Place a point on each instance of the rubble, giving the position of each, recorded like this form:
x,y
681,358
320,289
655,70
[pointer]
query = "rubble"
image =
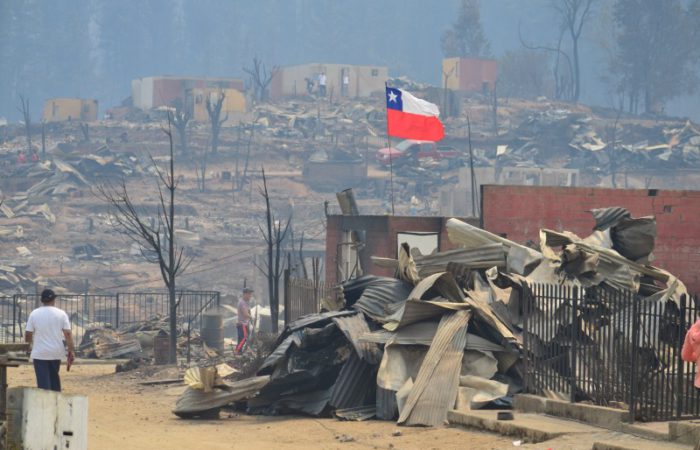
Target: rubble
x,y
447,332
136,341
559,137
103,343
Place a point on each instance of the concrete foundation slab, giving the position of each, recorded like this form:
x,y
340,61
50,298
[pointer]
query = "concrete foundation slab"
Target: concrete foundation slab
x,y
529,427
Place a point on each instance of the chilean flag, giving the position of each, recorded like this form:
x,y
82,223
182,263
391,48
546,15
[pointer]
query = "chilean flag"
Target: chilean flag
x,y
409,117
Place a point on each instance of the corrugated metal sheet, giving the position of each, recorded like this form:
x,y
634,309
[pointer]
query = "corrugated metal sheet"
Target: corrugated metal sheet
x,y
422,333
377,297
435,388
315,319
312,403
281,351
635,238
609,217
360,413
195,401
470,236
417,310
442,284
353,327
350,388
482,257
386,404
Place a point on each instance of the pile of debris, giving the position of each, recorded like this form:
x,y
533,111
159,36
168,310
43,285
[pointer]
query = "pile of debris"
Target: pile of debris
x,y
562,138
67,172
19,279
304,119
447,331
137,341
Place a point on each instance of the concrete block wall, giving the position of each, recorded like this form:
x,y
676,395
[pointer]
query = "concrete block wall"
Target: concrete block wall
x,y
520,211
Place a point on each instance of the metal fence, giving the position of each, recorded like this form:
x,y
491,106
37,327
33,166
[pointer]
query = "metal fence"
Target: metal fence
x,y
106,311
611,348
302,296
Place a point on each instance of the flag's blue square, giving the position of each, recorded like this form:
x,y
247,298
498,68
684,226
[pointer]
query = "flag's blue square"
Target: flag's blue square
x,y
393,99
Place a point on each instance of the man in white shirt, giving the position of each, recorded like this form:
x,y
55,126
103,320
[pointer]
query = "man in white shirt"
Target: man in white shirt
x,y
322,84
47,327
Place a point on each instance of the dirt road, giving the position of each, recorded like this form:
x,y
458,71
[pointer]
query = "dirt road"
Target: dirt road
x,y
125,415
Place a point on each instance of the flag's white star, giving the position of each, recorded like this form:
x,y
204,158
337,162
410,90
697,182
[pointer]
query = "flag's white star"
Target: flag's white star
x,y
392,96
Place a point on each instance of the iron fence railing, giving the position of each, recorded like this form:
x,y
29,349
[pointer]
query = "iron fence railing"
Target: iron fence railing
x,y
105,310
612,348
303,296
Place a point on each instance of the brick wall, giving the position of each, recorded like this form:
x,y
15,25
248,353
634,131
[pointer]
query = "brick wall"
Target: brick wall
x,y
520,211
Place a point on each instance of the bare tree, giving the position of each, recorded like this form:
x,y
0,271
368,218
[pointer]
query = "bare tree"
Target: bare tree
x,y
214,112
181,118
612,153
240,181
214,107
274,234
156,239
524,73
260,78
27,117
563,86
573,15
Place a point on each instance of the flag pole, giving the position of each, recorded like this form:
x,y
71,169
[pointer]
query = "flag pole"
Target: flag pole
x,y
391,159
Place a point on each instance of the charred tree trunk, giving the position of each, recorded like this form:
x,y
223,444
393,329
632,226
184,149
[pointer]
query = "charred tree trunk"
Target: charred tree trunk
x,y
181,119
260,78
274,234
214,112
156,237
27,117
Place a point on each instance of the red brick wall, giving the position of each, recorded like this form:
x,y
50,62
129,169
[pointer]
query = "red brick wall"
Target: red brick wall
x,y
520,212
473,72
380,238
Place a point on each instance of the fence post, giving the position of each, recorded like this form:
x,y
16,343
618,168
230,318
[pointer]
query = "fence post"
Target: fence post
x,y
286,297
117,314
15,322
679,361
527,297
86,301
635,345
574,338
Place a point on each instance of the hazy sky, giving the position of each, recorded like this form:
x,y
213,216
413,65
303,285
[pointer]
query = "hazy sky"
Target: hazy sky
x,y
93,48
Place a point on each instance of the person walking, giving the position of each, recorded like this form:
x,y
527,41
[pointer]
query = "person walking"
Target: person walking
x,y
322,84
47,328
243,321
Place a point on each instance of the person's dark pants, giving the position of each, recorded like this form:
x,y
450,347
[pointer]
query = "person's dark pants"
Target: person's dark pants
x,y
242,336
47,374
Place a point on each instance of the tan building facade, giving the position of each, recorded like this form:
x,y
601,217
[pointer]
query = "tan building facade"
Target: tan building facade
x,y
362,81
66,109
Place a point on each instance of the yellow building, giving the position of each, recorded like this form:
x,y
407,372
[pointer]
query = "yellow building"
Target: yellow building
x,y
234,102
64,109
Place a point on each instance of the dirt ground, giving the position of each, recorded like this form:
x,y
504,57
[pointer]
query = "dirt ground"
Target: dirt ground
x,y
125,414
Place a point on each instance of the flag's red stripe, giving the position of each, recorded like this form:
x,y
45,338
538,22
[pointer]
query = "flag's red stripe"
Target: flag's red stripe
x,y
413,126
